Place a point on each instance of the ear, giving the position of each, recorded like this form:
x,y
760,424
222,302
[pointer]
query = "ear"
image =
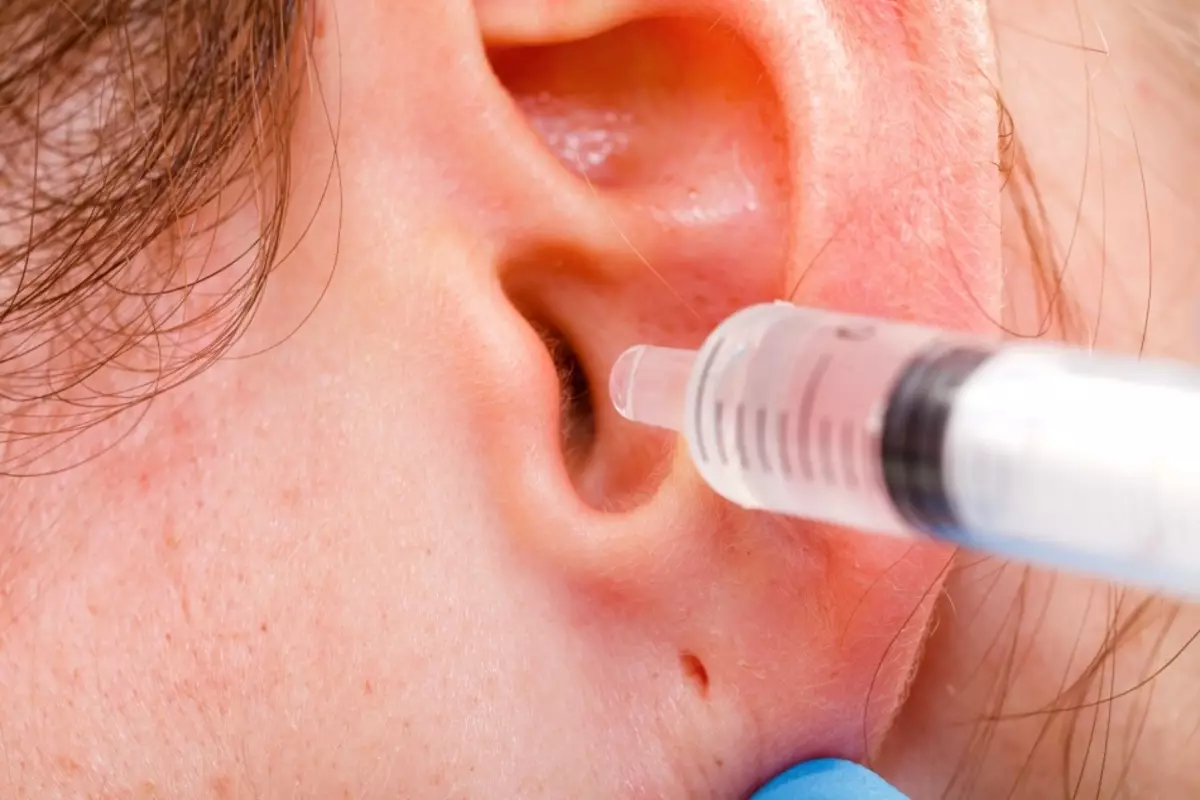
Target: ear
x,y
665,164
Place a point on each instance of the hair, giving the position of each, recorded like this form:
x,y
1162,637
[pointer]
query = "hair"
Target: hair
x,y
131,129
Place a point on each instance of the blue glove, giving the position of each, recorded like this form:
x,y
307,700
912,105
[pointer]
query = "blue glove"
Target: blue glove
x,y
828,779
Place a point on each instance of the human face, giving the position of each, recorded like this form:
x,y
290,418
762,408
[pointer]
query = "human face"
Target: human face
x,y
375,555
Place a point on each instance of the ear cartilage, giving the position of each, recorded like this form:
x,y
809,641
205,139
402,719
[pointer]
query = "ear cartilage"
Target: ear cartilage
x,y
1033,451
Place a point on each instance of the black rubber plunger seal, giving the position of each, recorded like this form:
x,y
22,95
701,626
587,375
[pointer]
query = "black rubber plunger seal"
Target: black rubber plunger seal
x,y
914,436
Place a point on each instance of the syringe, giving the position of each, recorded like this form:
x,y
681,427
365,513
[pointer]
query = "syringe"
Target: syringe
x,y
1033,451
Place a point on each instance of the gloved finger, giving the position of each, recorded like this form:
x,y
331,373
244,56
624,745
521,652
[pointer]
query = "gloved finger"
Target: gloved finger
x,y
828,779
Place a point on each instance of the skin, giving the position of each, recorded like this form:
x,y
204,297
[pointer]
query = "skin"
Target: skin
x,y
368,559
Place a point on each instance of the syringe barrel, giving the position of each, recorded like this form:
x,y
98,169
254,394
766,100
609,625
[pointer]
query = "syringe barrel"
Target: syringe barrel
x,y
785,409
1085,462
1032,450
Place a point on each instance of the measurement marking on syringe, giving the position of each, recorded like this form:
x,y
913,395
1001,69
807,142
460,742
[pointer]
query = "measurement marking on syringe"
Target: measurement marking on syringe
x,y
761,425
872,448
701,385
849,461
719,424
825,449
785,463
804,426
740,435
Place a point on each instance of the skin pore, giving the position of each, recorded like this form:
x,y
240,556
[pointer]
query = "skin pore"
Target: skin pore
x,y
374,552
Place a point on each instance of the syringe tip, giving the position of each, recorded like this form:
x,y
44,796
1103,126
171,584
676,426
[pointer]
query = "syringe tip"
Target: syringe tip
x,y
620,380
648,384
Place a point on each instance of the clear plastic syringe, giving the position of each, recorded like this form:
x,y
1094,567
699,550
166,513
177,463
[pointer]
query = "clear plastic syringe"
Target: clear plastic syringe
x,y
1033,451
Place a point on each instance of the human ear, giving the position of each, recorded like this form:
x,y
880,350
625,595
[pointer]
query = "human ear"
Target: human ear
x,y
640,171
692,158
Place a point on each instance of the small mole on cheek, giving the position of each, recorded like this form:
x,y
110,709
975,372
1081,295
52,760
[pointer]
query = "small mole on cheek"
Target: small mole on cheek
x,y
368,688
695,671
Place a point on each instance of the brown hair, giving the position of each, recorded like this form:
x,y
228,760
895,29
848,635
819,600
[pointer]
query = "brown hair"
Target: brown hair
x,y
121,122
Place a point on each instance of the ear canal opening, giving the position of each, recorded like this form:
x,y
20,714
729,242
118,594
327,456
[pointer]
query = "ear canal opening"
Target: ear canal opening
x,y
577,414
579,391
613,465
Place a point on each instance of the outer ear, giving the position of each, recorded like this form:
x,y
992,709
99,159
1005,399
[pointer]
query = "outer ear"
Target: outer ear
x,y
525,21
675,162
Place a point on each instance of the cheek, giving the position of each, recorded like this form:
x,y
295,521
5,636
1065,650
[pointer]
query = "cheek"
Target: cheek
x,y
290,545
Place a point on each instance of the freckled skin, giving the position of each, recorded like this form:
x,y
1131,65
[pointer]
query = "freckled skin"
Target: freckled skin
x,y
357,562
